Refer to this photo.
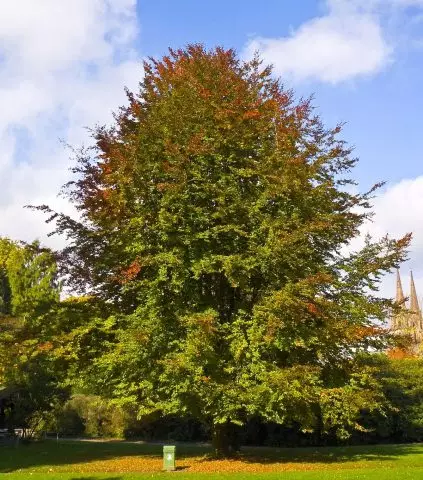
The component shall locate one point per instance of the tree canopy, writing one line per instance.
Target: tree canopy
(215, 218)
(29, 292)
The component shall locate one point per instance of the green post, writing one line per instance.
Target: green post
(169, 458)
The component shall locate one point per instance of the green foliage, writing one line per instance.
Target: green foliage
(28, 279)
(36, 392)
(28, 370)
(65, 421)
(402, 382)
(97, 416)
(94, 416)
(215, 216)
(33, 280)
(6, 248)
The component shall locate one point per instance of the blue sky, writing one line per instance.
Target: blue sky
(381, 105)
(382, 110)
(229, 23)
(63, 66)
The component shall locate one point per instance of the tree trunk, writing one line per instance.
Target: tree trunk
(225, 439)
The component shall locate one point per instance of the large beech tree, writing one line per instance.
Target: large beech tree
(215, 216)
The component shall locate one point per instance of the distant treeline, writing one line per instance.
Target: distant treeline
(402, 420)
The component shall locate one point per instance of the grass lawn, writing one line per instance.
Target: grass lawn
(68, 460)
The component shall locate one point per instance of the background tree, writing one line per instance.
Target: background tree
(215, 215)
(28, 369)
(28, 278)
(6, 248)
(402, 383)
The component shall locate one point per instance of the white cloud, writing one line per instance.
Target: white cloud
(355, 38)
(347, 42)
(63, 66)
(331, 49)
(371, 5)
(48, 35)
(397, 212)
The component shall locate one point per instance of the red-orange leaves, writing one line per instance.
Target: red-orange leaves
(204, 93)
(106, 168)
(399, 354)
(45, 347)
(362, 332)
(303, 110)
(251, 114)
(196, 144)
(311, 307)
(161, 187)
(130, 272)
(106, 193)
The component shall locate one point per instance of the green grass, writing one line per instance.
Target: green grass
(129, 461)
(411, 474)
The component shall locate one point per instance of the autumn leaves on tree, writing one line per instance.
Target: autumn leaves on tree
(214, 216)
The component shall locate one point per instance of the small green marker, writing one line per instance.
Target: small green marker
(169, 458)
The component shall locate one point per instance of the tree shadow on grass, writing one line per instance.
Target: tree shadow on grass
(54, 454)
(325, 455)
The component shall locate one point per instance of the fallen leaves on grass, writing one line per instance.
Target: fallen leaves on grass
(147, 464)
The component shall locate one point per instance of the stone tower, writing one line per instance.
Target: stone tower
(409, 320)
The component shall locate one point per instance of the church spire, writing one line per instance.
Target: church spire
(414, 303)
(400, 294)
(408, 321)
